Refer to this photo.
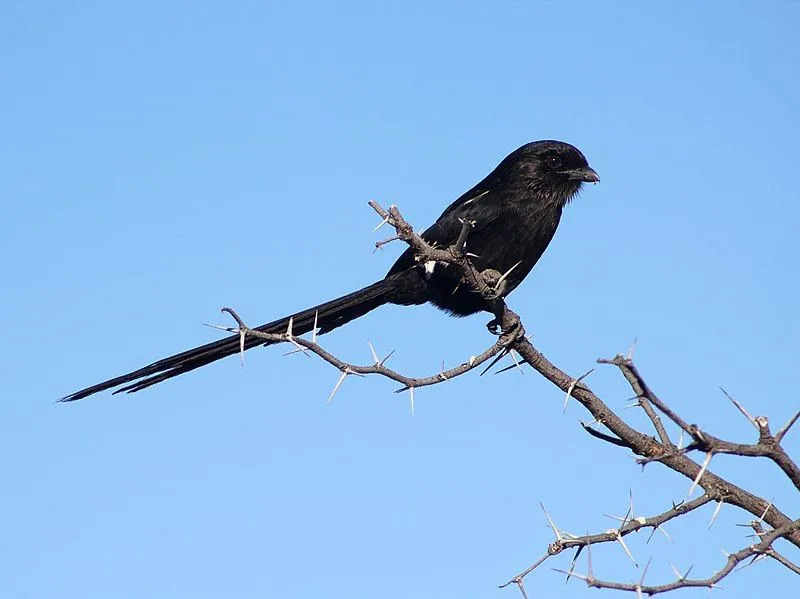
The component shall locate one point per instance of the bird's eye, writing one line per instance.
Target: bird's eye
(553, 162)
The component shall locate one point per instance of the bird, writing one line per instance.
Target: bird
(515, 211)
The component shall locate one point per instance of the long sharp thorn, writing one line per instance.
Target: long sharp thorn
(221, 328)
(715, 514)
(294, 351)
(389, 355)
(574, 561)
(411, 398)
(508, 272)
(625, 547)
(241, 345)
(761, 518)
(299, 347)
(289, 327)
(314, 330)
(374, 355)
(380, 224)
(556, 532)
(700, 473)
(575, 574)
(336, 388)
(574, 383)
(589, 571)
(780, 434)
(740, 407)
(495, 361)
(644, 572)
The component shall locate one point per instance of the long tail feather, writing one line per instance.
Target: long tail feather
(329, 315)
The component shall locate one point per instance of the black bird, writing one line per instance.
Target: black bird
(516, 210)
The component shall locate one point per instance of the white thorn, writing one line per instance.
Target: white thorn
(741, 408)
(411, 398)
(552, 524)
(380, 224)
(700, 473)
(338, 384)
(374, 355)
(573, 383)
(241, 345)
(761, 518)
(314, 333)
(625, 547)
(508, 272)
(289, 327)
(716, 512)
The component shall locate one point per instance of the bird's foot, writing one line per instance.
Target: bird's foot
(495, 284)
(494, 327)
(505, 326)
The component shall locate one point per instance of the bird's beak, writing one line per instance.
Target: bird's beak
(586, 174)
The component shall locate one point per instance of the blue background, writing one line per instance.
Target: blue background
(160, 160)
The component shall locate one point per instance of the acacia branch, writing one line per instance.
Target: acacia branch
(490, 285)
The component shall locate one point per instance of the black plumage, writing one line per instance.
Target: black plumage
(516, 210)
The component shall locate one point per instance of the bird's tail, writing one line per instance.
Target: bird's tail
(328, 316)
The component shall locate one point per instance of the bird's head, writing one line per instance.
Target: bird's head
(554, 170)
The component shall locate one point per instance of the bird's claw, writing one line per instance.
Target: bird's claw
(494, 327)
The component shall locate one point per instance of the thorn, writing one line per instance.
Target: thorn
(761, 518)
(497, 358)
(571, 388)
(221, 328)
(659, 527)
(299, 347)
(575, 574)
(242, 334)
(289, 327)
(514, 365)
(574, 561)
(472, 360)
(389, 355)
(380, 224)
(632, 348)
(471, 255)
(716, 513)
(508, 272)
(625, 547)
(589, 571)
(700, 473)
(295, 351)
(411, 398)
(556, 532)
(374, 355)
(314, 330)
(741, 408)
(646, 566)
(338, 384)
(780, 434)
(680, 440)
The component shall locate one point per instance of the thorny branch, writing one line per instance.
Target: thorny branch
(663, 450)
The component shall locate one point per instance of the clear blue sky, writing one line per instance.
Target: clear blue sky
(160, 160)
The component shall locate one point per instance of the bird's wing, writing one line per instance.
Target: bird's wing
(479, 206)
